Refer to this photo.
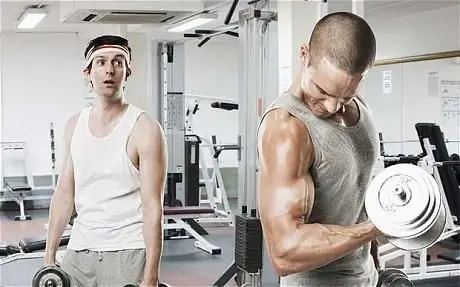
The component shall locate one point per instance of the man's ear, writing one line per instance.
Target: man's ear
(87, 76)
(128, 73)
(304, 55)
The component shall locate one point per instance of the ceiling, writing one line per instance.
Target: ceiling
(384, 9)
(11, 10)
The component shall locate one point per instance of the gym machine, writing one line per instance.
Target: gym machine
(21, 190)
(216, 194)
(182, 194)
(253, 32)
(435, 161)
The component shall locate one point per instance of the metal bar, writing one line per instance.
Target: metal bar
(416, 141)
(358, 7)
(429, 150)
(447, 163)
(209, 98)
(419, 58)
(53, 156)
(229, 16)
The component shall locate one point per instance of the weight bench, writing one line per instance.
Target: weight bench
(27, 249)
(17, 192)
(180, 216)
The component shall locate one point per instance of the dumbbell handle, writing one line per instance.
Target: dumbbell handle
(160, 284)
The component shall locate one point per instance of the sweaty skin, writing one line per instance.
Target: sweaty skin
(286, 196)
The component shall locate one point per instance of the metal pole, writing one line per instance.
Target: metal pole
(53, 157)
(253, 31)
(429, 150)
(417, 141)
(164, 72)
(358, 7)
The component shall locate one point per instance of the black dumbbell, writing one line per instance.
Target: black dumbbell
(51, 276)
(392, 277)
(161, 284)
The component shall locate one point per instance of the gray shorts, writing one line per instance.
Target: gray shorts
(104, 269)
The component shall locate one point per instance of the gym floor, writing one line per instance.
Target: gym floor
(182, 263)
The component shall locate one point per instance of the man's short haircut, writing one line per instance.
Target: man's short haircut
(346, 40)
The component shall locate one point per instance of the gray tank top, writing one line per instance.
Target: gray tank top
(344, 158)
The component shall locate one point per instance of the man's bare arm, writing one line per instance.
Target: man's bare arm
(62, 202)
(286, 195)
(151, 146)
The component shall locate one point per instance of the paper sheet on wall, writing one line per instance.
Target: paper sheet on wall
(285, 79)
(450, 108)
(433, 84)
(450, 125)
(387, 83)
(449, 104)
(450, 89)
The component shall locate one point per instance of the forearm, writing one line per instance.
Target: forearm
(153, 237)
(61, 209)
(316, 245)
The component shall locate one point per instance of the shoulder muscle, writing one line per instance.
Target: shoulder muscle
(284, 145)
(148, 134)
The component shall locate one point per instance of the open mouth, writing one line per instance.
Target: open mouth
(109, 82)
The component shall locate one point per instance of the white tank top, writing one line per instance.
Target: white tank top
(107, 188)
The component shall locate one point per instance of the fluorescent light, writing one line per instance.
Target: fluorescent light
(31, 18)
(191, 23)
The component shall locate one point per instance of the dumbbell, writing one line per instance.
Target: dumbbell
(51, 276)
(159, 285)
(392, 277)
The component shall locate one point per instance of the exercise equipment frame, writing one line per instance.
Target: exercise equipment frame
(388, 252)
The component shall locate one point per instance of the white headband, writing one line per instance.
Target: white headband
(106, 48)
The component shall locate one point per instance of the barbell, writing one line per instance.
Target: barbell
(404, 202)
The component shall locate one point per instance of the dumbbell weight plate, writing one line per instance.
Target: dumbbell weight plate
(50, 276)
(404, 202)
(392, 277)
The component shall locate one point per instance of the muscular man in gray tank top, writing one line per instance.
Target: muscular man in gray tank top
(317, 146)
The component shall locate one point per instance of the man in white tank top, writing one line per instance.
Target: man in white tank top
(113, 176)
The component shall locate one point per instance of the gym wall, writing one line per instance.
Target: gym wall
(413, 90)
(42, 82)
(212, 71)
(420, 33)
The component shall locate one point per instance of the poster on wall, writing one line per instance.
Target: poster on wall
(450, 108)
(450, 89)
(433, 84)
(387, 83)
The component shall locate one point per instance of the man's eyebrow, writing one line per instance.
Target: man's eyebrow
(319, 87)
(105, 57)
